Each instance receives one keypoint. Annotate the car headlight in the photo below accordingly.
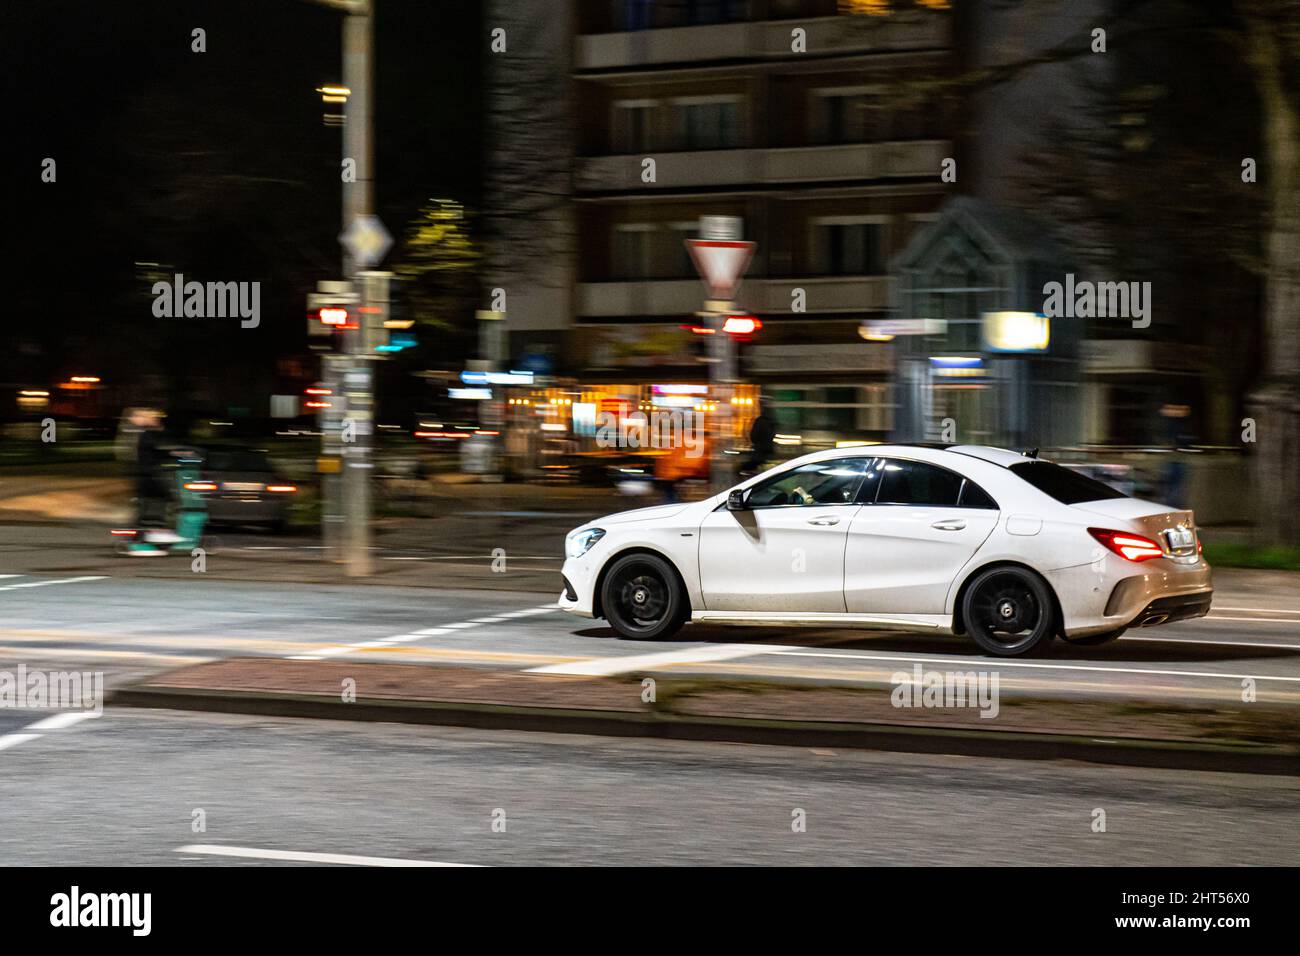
(578, 543)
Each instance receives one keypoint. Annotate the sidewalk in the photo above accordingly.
(1241, 738)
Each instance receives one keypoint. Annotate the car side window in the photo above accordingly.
(973, 496)
(916, 483)
(834, 482)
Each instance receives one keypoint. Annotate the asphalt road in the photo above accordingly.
(130, 626)
(124, 788)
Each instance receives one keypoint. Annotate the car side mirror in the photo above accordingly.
(736, 500)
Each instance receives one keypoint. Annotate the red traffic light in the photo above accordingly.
(742, 324)
(333, 315)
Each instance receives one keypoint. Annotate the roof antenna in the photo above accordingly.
(1032, 453)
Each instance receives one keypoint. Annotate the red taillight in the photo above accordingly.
(124, 532)
(281, 487)
(1130, 547)
(200, 486)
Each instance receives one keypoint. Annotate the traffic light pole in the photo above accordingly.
(722, 378)
(357, 385)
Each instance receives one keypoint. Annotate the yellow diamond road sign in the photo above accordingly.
(366, 240)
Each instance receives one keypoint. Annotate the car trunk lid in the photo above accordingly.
(1174, 529)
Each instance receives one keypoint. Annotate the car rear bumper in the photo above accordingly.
(1094, 602)
(246, 510)
(1179, 607)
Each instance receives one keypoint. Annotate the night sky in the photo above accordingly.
(216, 163)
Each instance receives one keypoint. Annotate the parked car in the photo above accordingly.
(1009, 549)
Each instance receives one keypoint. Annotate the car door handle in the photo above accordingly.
(823, 521)
(950, 524)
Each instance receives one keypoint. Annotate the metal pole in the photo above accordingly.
(358, 200)
(722, 377)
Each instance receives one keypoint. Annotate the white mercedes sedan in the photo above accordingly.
(1007, 548)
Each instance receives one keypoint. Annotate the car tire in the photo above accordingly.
(1009, 612)
(1094, 640)
(642, 598)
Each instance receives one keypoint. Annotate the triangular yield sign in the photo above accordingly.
(720, 263)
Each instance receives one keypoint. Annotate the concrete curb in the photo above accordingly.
(1179, 755)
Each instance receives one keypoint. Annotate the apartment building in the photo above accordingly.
(797, 116)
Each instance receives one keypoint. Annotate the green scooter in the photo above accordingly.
(188, 512)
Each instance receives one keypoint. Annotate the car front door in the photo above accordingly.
(907, 543)
(785, 551)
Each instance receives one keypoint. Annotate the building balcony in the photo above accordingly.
(739, 167)
(764, 40)
(680, 299)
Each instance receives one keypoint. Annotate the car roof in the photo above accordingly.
(922, 451)
(998, 456)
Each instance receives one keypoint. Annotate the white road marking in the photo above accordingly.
(41, 584)
(455, 627)
(1262, 610)
(605, 666)
(53, 722)
(1252, 620)
(480, 558)
(10, 575)
(988, 663)
(1188, 640)
(298, 856)
(67, 718)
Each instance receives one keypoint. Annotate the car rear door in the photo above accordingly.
(907, 544)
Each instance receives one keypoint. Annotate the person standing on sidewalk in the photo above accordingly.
(762, 440)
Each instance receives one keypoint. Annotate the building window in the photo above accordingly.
(708, 124)
(634, 250)
(632, 127)
(867, 115)
(636, 14)
(846, 117)
(848, 247)
(651, 14)
(681, 256)
(845, 411)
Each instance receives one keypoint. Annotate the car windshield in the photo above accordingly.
(1066, 486)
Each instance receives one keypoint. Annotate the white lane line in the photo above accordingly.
(455, 627)
(605, 666)
(67, 718)
(475, 558)
(41, 584)
(993, 663)
(10, 575)
(299, 856)
(1262, 610)
(1252, 620)
(1188, 640)
(53, 722)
